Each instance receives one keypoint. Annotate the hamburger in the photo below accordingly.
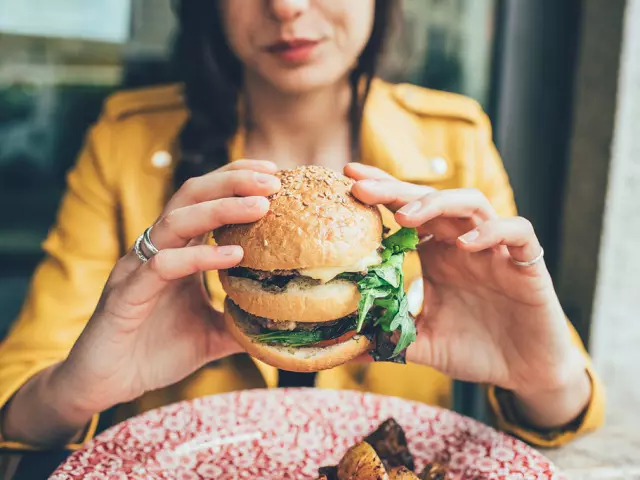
(319, 284)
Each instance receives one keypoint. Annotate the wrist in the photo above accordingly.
(38, 414)
(555, 407)
(67, 396)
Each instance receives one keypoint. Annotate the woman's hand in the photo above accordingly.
(484, 318)
(154, 324)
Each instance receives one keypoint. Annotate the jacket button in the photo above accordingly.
(438, 165)
(161, 159)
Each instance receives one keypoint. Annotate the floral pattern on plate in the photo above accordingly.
(288, 434)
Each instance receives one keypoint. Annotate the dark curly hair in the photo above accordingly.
(212, 77)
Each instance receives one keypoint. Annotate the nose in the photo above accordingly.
(288, 10)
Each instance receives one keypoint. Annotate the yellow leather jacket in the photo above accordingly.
(123, 178)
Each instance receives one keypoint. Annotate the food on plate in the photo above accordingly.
(361, 461)
(390, 441)
(383, 455)
(402, 473)
(318, 284)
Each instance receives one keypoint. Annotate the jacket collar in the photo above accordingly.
(391, 138)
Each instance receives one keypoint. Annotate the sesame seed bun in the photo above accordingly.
(314, 221)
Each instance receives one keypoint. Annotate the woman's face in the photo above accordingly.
(298, 45)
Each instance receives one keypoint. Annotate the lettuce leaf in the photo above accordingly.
(383, 286)
(303, 338)
(403, 240)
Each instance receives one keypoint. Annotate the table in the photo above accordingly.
(611, 453)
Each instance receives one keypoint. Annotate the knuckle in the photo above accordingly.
(189, 187)
(247, 176)
(423, 189)
(173, 222)
(167, 222)
(115, 305)
(239, 178)
(191, 183)
(476, 195)
(525, 224)
(224, 207)
(228, 210)
(432, 196)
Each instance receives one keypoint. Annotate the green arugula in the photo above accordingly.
(302, 338)
(383, 286)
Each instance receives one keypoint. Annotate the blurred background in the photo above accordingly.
(560, 80)
(58, 66)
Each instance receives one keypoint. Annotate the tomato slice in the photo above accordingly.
(336, 341)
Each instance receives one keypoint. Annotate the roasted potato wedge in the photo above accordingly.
(433, 471)
(402, 473)
(390, 443)
(383, 455)
(361, 462)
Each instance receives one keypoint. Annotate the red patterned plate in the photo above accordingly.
(288, 434)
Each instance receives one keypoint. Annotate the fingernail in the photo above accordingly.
(251, 202)
(370, 183)
(263, 179)
(469, 237)
(410, 208)
(229, 250)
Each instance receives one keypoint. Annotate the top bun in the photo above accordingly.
(313, 222)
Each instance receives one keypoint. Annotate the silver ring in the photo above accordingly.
(531, 262)
(137, 248)
(145, 240)
(148, 244)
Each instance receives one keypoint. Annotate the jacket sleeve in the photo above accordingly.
(493, 181)
(80, 249)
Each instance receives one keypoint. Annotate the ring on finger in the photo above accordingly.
(530, 262)
(144, 240)
(148, 244)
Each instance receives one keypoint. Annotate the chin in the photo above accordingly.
(304, 79)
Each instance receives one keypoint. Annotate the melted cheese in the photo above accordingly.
(326, 274)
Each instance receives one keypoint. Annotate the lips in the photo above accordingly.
(293, 51)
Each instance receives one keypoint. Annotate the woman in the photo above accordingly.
(284, 81)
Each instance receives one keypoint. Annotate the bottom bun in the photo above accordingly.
(294, 359)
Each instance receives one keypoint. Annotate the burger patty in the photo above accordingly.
(304, 335)
(277, 280)
(274, 280)
(261, 274)
(260, 325)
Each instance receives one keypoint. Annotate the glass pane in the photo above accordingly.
(444, 45)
